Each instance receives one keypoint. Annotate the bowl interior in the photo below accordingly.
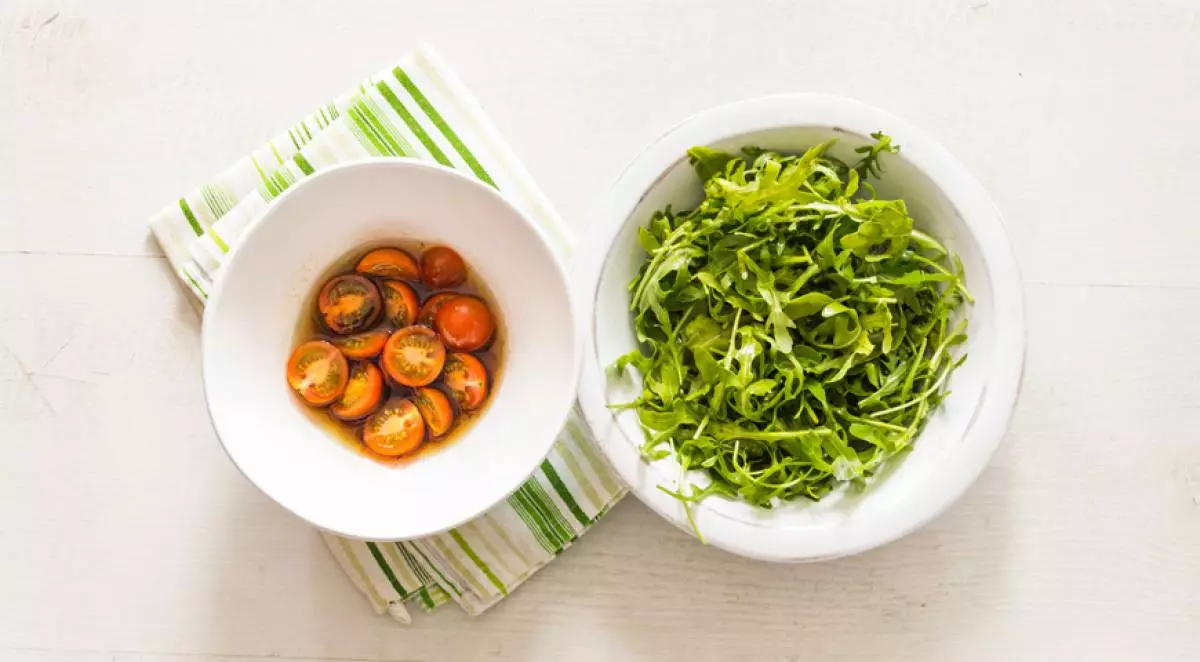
(901, 482)
(259, 299)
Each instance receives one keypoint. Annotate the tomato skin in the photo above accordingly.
(467, 380)
(442, 267)
(435, 409)
(389, 263)
(317, 372)
(413, 356)
(431, 306)
(364, 392)
(400, 303)
(464, 323)
(396, 429)
(366, 345)
(349, 303)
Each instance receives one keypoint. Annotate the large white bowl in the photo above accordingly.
(960, 437)
(260, 295)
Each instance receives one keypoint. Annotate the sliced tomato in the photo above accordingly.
(389, 263)
(396, 429)
(435, 409)
(366, 345)
(464, 323)
(318, 372)
(413, 356)
(349, 303)
(442, 267)
(467, 380)
(364, 392)
(430, 307)
(399, 303)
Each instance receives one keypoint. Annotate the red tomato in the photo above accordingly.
(363, 392)
(389, 263)
(442, 267)
(399, 303)
(365, 345)
(466, 379)
(464, 323)
(349, 304)
(431, 306)
(435, 409)
(318, 372)
(396, 429)
(413, 356)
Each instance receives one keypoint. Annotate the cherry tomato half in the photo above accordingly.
(389, 263)
(467, 380)
(318, 372)
(399, 303)
(349, 303)
(364, 392)
(366, 345)
(435, 409)
(396, 429)
(464, 323)
(442, 267)
(413, 356)
(430, 307)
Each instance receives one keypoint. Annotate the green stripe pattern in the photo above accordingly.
(416, 109)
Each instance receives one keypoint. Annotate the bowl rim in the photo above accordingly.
(255, 225)
(979, 214)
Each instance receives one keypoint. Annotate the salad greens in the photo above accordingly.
(795, 329)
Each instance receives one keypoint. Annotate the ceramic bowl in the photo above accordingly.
(961, 435)
(260, 296)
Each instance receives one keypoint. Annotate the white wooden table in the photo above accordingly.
(128, 536)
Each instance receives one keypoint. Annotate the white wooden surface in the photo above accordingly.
(127, 536)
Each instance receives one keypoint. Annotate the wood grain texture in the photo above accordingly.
(129, 537)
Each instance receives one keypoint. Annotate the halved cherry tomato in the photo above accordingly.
(464, 323)
(349, 303)
(430, 307)
(396, 429)
(364, 392)
(435, 409)
(318, 372)
(399, 303)
(413, 356)
(442, 267)
(389, 263)
(366, 345)
(467, 380)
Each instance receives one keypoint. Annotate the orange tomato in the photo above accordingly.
(442, 267)
(430, 307)
(467, 380)
(464, 323)
(413, 356)
(396, 429)
(389, 263)
(435, 409)
(399, 303)
(317, 371)
(349, 303)
(364, 392)
(366, 345)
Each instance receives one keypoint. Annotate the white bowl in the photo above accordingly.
(260, 295)
(960, 437)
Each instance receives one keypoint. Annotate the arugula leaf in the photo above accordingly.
(796, 331)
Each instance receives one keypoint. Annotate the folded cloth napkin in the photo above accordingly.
(419, 110)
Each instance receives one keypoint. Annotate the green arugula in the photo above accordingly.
(795, 330)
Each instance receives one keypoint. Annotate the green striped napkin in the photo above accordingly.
(419, 110)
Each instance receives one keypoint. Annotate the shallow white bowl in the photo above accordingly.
(960, 437)
(260, 295)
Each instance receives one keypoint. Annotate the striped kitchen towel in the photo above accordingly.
(417, 109)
